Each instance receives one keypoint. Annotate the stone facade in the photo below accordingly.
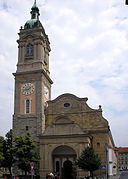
(70, 122)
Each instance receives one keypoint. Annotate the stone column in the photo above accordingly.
(39, 51)
(35, 52)
(23, 52)
(19, 53)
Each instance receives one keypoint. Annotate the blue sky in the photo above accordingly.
(89, 57)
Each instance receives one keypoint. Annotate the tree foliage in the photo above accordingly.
(25, 152)
(1, 150)
(7, 151)
(89, 160)
(21, 151)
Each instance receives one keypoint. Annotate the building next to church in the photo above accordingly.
(122, 158)
(62, 127)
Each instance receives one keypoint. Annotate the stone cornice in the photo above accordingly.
(34, 72)
(24, 116)
(34, 30)
(70, 112)
(65, 136)
(97, 131)
(70, 95)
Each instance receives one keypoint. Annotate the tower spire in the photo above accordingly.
(34, 1)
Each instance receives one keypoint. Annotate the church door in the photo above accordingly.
(67, 169)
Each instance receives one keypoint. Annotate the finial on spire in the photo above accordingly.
(34, 1)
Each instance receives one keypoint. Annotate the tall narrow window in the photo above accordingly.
(26, 128)
(27, 106)
(29, 50)
(98, 144)
(57, 166)
(45, 59)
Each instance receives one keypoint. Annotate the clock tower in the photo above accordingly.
(32, 78)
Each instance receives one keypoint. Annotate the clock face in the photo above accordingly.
(46, 92)
(27, 88)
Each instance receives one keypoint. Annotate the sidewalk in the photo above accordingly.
(114, 177)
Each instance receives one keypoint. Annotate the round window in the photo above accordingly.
(66, 105)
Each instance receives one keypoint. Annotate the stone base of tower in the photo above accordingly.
(43, 173)
(24, 123)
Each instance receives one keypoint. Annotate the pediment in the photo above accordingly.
(68, 106)
(68, 103)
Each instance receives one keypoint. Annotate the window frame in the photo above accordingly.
(27, 108)
(29, 50)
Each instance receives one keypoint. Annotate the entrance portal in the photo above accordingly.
(63, 158)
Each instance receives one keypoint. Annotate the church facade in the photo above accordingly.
(62, 127)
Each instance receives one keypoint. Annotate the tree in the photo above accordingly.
(7, 150)
(89, 160)
(25, 152)
(1, 150)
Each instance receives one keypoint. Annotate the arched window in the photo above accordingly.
(29, 50)
(27, 106)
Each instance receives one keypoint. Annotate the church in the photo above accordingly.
(62, 127)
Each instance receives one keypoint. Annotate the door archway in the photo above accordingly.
(63, 158)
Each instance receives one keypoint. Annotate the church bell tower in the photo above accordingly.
(32, 77)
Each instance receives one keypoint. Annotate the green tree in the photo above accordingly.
(7, 150)
(1, 150)
(25, 152)
(89, 160)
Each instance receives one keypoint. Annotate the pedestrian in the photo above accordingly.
(52, 175)
(47, 176)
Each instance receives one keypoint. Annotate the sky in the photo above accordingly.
(88, 58)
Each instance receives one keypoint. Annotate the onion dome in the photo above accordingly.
(34, 21)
